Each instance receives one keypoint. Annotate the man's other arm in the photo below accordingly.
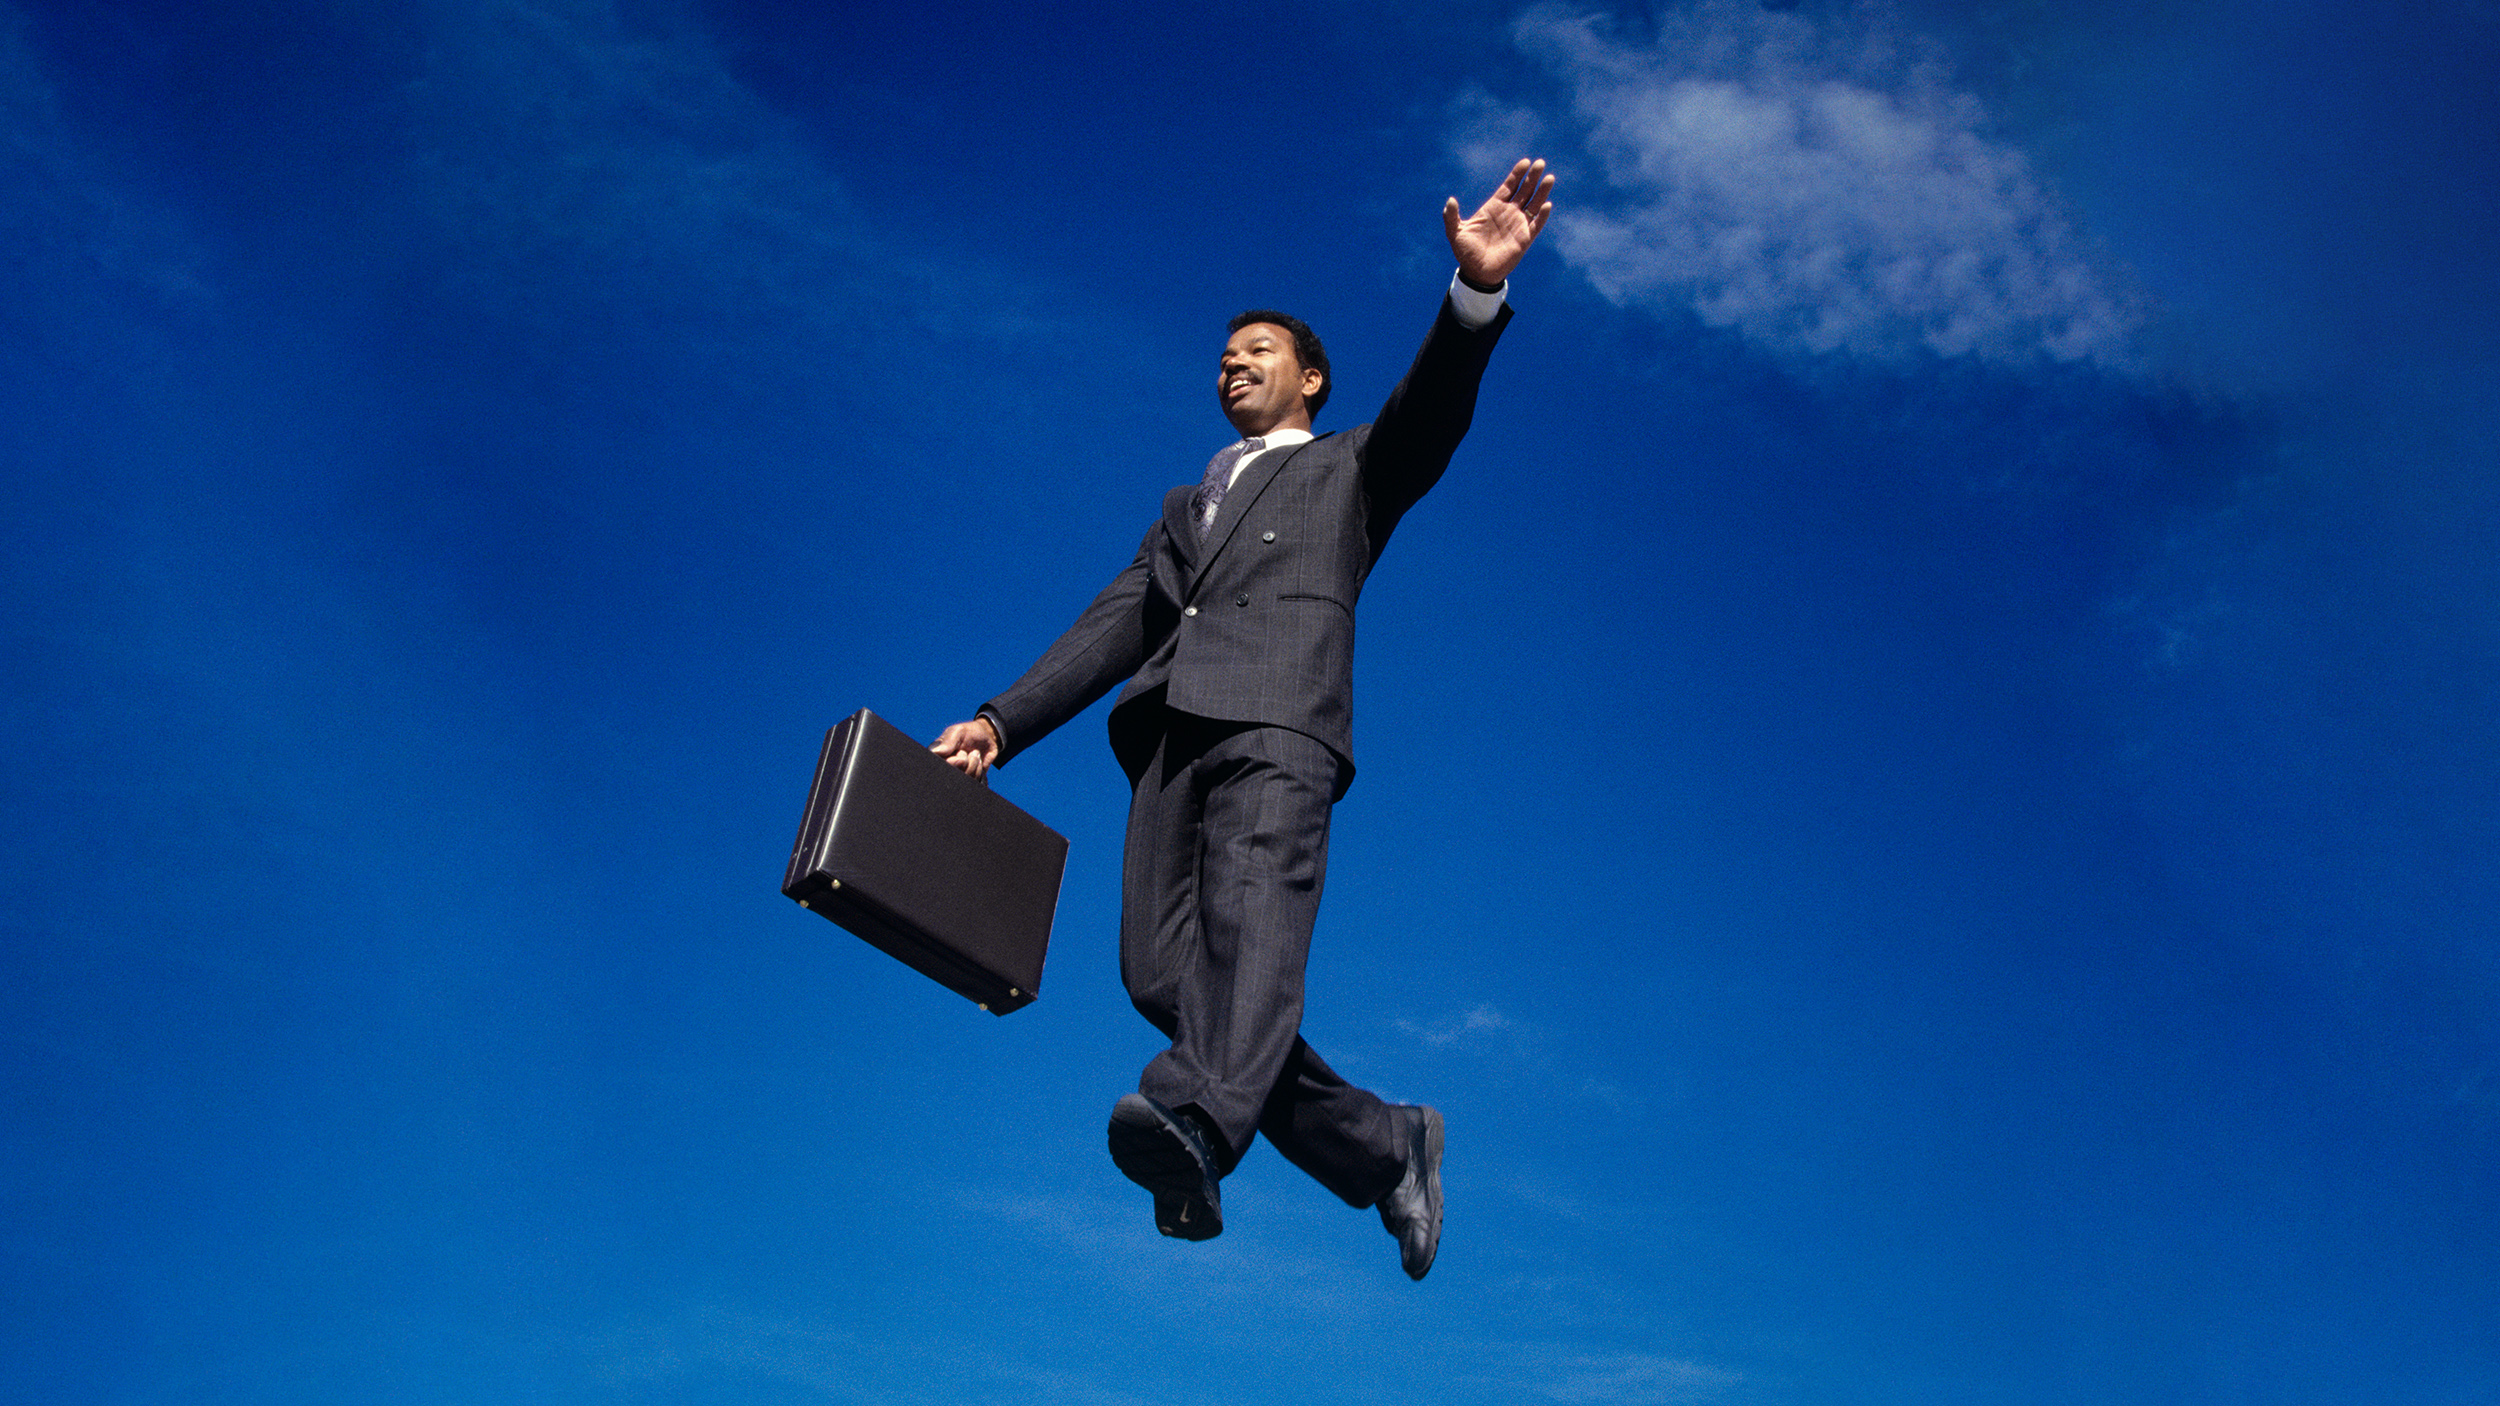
(1106, 645)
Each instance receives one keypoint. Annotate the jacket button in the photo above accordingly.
(1267, 536)
(1189, 610)
(1241, 600)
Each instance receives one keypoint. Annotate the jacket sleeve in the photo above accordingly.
(1417, 431)
(1105, 646)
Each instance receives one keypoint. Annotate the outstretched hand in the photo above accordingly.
(1491, 242)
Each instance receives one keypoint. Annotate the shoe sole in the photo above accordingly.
(1150, 1152)
(1432, 1191)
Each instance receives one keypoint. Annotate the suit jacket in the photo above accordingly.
(1256, 623)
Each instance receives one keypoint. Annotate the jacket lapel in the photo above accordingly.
(1237, 500)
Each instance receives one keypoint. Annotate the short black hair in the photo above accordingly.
(1306, 349)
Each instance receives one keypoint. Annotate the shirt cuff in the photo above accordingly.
(1475, 309)
(997, 724)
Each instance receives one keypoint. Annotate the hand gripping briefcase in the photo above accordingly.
(927, 864)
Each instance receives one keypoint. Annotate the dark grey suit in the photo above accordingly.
(1236, 730)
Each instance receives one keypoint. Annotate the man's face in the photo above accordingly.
(1261, 383)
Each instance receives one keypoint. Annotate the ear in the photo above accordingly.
(1312, 380)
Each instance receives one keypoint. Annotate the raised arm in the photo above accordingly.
(1410, 442)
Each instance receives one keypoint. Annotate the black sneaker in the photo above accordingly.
(1167, 1153)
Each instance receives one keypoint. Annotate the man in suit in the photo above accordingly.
(1234, 632)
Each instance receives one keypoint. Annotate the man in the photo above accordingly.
(1234, 630)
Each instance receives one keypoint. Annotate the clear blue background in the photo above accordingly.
(1915, 879)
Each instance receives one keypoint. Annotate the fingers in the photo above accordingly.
(1525, 189)
(1490, 241)
(1527, 183)
(967, 747)
(1533, 196)
(976, 733)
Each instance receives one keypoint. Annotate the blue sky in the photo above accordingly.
(1930, 777)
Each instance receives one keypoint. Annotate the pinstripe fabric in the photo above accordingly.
(1237, 730)
(1220, 885)
(1257, 624)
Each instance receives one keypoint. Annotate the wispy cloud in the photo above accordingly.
(719, 1346)
(553, 137)
(716, 1346)
(1817, 185)
(67, 231)
(1090, 1224)
(1273, 1251)
(2479, 1095)
(556, 166)
(1480, 1021)
(1572, 1374)
(712, 1342)
(1543, 1191)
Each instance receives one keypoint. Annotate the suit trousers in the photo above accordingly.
(1226, 855)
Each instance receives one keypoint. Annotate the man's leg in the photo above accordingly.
(1264, 845)
(1225, 862)
(1368, 1152)
(1159, 880)
(1254, 808)
(1346, 1138)
(1173, 1153)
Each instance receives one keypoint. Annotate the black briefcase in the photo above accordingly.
(931, 866)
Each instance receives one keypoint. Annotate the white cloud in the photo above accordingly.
(1300, 1249)
(1570, 1374)
(1810, 185)
(571, 164)
(1449, 1032)
(718, 1347)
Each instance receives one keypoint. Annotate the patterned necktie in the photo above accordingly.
(1219, 476)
